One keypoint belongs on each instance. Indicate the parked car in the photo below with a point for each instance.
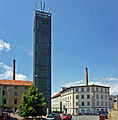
(70, 116)
(2, 117)
(66, 117)
(105, 114)
(53, 116)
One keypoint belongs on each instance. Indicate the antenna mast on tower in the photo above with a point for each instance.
(49, 9)
(41, 5)
(36, 6)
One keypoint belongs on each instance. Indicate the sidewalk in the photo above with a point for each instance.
(17, 117)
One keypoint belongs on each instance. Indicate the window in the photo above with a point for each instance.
(15, 93)
(97, 110)
(88, 89)
(4, 87)
(106, 103)
(76, 103)
(82, 96)
(15, 101)
(97, 96)
(97, 89)
(4, 101)
(105, 90)
(83, 111)
(88, 96)
(82, 103)
(101, 96)
(88, 111)
(15, 87)
(105, 96)
(77, 97)
(102, 103)
(101, 89)
(70, 97)
(76, 89)
(4, 92)
(82, 89)
(64, 107)
(26, 88)
(88, 103)
(70, 90)
(97, 103)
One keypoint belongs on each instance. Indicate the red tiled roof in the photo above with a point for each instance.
(15, 82)
(57, 95)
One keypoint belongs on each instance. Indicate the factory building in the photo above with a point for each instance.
(12, 91)
(85, 99)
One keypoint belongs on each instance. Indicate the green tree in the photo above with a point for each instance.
(32, 103)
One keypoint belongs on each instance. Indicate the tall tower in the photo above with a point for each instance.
(42, 54)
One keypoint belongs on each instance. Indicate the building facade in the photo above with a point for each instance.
(111, 100)
(57, 103)
(12, 91)
(42, 54)
(89, 99)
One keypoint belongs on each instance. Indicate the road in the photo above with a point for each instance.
(85, 117)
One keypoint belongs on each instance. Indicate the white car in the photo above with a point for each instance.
(53, 116)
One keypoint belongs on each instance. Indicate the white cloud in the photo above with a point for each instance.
(75, 83)
(111, 79)
(113, 85)
(114, 89)
(21, 77)
(96, 83)
(4, 45)
(7, 73)
(95, 78)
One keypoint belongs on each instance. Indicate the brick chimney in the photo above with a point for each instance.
(13, 69)
(86, 76)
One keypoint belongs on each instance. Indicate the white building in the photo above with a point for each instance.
(76, 100)
(56, 103)
(87, 99)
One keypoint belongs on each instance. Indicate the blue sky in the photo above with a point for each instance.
(84, 34)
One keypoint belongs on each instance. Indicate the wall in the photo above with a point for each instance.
(10, 95)
(113, 114)
(85, 105)
(56, 104)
